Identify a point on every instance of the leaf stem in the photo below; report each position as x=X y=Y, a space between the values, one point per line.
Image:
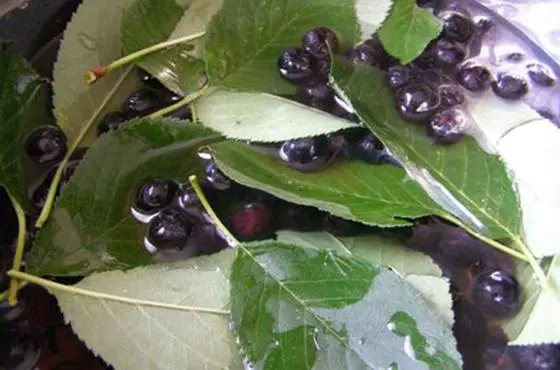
x=96 y=73
x=533 y=262
x=186 y=100
x=229 y=237
x=20 y=247
x=4 y=294
x=90 y=293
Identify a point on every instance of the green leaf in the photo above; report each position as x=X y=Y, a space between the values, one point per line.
x=408 y=30
x=23 y=107
x=246 y=37
x=371 y=14
x=375 y=195
x=264 y=118
x=91 y=39
x=91 y=229
x=467 y=182
x=303 y=308
x=534 y=324
x=148 y=22
x=140 y=336
x=417 y=268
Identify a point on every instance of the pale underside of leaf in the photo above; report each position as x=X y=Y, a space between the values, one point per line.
x=371 y=14
x=264 y=118
x=140 y=337
x=91 y=39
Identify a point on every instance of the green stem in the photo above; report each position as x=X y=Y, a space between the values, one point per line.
x=533 y=262
x=489 y=241
x=186 y=100
x=92 y=294
x=4 y=294
x=208 y=208
x=20 y=247
x=96 y=73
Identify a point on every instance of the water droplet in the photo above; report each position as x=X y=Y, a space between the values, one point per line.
x=391 y=326
x=362 y=340
x=408 y=349
x=218 y=269
x=87 y=41
x=276 y=344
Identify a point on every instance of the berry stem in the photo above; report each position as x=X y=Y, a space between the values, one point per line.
x=18 y=256
x=4 y=294
x=208 y=208
x=96 y=73
x=186 y=100
x=543 y=280
x=51 y=285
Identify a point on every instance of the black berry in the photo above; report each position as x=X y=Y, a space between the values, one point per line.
x=306 y=154
x=540 y=75
x=340 y=227
x=216 y=177
x=368 y=149
x=149 y=80
x=382 y=58
x=318 y=41
x=535 y=357
x=46 y=144
x=474 y=77
x=449 y=52
x=362 y=53
x=18 y=352
x=170 y=229
x=300 y=218
x=496 y=293
x=111 y=121
x=416 y=102
x=399 y=76
x=295 y=64
x=252 y=221
x=457 y=27
x=155 y=195
x=316 y=93
x=142 y=102
x=509 y=87
x=450 y=96
x=446 y=127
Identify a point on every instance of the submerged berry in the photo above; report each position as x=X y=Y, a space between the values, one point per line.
x=416 y=102
x=306 y=154
x=142 y=102
x=295 y=64
x=362 y=53
x=447 y=127
x=253 y=221
x=509 y=86
x=496 y=293
x=474 y=77
x=449 y=52
x=155 y=195
x=148 y=79
x=216 y=177
x=450 y=96
x=399 y=76
x=457 y=27
x=368 y=149
x=170 y=229
x=46 y=144
x=540 y=75
x=318 y=41
x=316 y=93
x=111 y=121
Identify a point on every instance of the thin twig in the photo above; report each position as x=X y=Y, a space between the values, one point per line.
x=20 y=247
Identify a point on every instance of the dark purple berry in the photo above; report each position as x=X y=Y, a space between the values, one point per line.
x=535 y=357
x=149 y=80
x=450 y=96
x=416 y=102
x=154 y=195
x=300 y=218
x=306 y=154
x=449 y=52
x=168 y=97
x=340 y=227
x=514 y=57
x=509 y=87
x=540 y=75
x=216 y=177
x=457 y=27
x=18 y=352
x=142 y=102
x=318 y=41
x=316 y=93
x=368 y=149
x=496 y=293
x=253 y=221
x=399 y=76
x=170 y=229
x=111 y=121
x=382 y=59
x=183 y=113
x=362 y=53
x=447 y=127
x=295 y=64
x=474 y=77
x=46 y=144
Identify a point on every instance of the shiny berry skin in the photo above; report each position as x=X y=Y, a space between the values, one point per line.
x=450 y=96
x=148 y=79
x=399 y=76
x=18 y=352
x=318 y=41
x=509 y=87
x=449 y=52
x=474 y=77
x=46 y=144
x=216 y=177
x=253 y=221
x=316 y=93
x=368 y=149
x=155 y=195
x=446 y=127
x=170 y=229
x=362 y=53
x=540 y=75
x=111 y=121
x=295 y=64
x=382 y=59
x=306 y=154
x=142 y=102
x=457 y=27
x=496 y=293
x=416 y=102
